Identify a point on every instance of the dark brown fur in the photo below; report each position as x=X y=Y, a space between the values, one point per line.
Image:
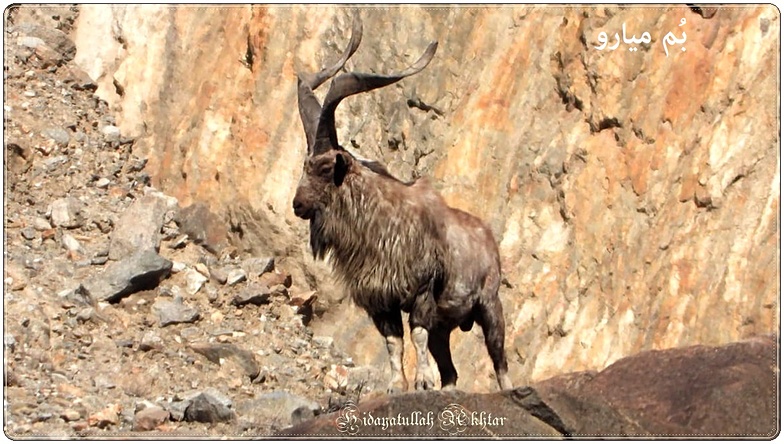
x=398 y=246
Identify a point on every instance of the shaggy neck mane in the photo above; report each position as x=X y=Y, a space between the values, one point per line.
x=372 y=228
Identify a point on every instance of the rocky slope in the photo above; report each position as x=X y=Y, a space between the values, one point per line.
x=118 y=318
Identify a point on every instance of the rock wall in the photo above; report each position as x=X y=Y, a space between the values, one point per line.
x=635 y=194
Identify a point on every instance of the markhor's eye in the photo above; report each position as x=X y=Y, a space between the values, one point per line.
x=326 y=169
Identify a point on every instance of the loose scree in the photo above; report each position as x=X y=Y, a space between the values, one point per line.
x=396 y=246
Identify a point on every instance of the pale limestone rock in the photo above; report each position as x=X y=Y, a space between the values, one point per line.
x=584 y=162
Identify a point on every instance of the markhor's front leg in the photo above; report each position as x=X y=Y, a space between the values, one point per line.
x=424 y=374
x=398 y=383
x=390 y=325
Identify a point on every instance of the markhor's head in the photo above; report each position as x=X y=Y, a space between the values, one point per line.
x=327 y=163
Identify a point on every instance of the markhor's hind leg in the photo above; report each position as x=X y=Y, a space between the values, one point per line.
x=438 y=343
x=390 y=325
x=491 y=318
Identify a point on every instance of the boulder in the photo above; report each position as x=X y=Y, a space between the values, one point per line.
x=208 y=406
x=142 y=270
x=138 y=228
x=698 y=391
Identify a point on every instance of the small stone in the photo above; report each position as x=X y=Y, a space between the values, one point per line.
x=236 y=276
x=201 y=268
x=105 y=417
x=190 y=333
x=102 y=183
x=9 y=342
x=111 y=133
x=143 y=404
x=74 y=297
x=103 y=251
x=123 y=343
x=323 y=341
x=180 y=242
x=70 y=415
x=70 y=243
x=28 y=233
x=41 y=224
x=169 y=292
x=86 y=314
x=174 y=312
x=30 y=42
x=99 y=260
x=217 y=352
x=177 y=267
x=177 y=410
x=275 y=278
x=257 y=266
x=216 y=317
x=302 y=414
x=194 y=280
x=336 y=378
x=79 y=426
x=53 y=162
x=102 y=382
x=45 y=149
x=150 y=341
x=252 y=294
x=66 y=213
x=149 y=418
x=59 y=135
x=47 y=57
x=17 y=275
x=219 y=274
x=303 y=304
x=77 y=78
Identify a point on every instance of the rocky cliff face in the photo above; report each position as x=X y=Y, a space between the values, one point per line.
x=634 y=193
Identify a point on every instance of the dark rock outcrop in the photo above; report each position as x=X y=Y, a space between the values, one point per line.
x=140 y=271
x=728 y=392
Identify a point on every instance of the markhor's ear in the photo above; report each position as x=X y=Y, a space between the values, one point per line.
x=342 y=162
